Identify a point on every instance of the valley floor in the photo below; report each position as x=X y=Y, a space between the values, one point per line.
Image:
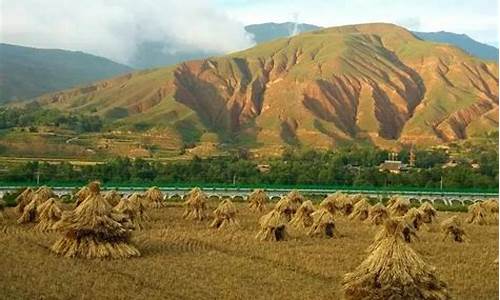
x=187 y=260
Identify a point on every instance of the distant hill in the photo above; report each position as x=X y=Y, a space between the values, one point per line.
x=369 y=83
x=270 y=31
x=462 y=41
x=29 y=72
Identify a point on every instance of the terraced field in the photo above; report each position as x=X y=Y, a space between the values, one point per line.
x=187 y=260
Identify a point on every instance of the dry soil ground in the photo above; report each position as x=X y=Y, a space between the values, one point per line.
x=187 y=260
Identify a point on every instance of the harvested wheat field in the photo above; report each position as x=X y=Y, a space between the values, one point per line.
x=186 y=259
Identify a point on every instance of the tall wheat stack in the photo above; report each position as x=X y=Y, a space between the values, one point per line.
x=257 y=200
x=112 y=197
x=429 y=213
x=23 y=199
x=31 y=211
x=302 y=217
x=414 y=217
x=195 y=205
x=225 y=216
x=393 y=270
x=477 y=214
x=81 y=195
x=361 y=210
x=273 y=227
x=452 y=230
x=323 y=224
x=399 y=207
x=285 y=207
x=154 y=197
x=133 y=209
x=347 y=205
x=491 y=207
x=333 y=203
x=49 y=213
x=295 y=199
x=93 y=230
x=138 y=200
x=45 y=192
x=378 y=214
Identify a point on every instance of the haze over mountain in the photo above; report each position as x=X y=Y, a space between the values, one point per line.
x=28 y=72
x=374 y=83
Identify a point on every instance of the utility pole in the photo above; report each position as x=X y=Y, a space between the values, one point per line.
x=234 y=179
x=38 y=176
x=441 y=185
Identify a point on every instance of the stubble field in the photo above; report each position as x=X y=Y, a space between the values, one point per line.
x=184 y=259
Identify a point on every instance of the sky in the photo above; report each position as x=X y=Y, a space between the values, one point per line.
x=114 y=28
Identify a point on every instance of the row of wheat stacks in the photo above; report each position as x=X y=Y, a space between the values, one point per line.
x=393 y=270
x=99 y=226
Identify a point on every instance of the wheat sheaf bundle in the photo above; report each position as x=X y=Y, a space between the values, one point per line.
x=302 y=217
x=49 y=213
x=133 y=210
x=31 y=210
x=323 y=224
x=491 y=207
x=286 y=208
x=333 y=203
x=347 y=205
x=273 y=227
x=154 y=198
x=23 y=199
x=93 y=230
x=452 y=229
x=138 y=200
x=112 y=197
x=414 y=217
x=195 y=205
x=429 y=213
x=393 y=271
x=295 y=198
x=81 y=195
x=477 y=214
x=225 y=215
x=361 y=210
x=257 y=200
x=399 y=206
x=378 y=214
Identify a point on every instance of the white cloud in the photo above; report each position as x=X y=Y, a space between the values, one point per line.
x=114 y=28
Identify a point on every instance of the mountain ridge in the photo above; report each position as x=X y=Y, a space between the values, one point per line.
x=374 y=83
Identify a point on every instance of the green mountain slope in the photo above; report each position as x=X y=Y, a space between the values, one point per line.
x=370 y=83
x=28 y=72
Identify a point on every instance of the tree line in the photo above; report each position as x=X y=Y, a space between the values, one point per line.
x=357 y=167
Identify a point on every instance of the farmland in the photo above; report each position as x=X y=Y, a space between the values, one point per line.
x=184 y=259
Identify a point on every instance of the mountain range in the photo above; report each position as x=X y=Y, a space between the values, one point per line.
x=370 y=83
x=27 y=72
